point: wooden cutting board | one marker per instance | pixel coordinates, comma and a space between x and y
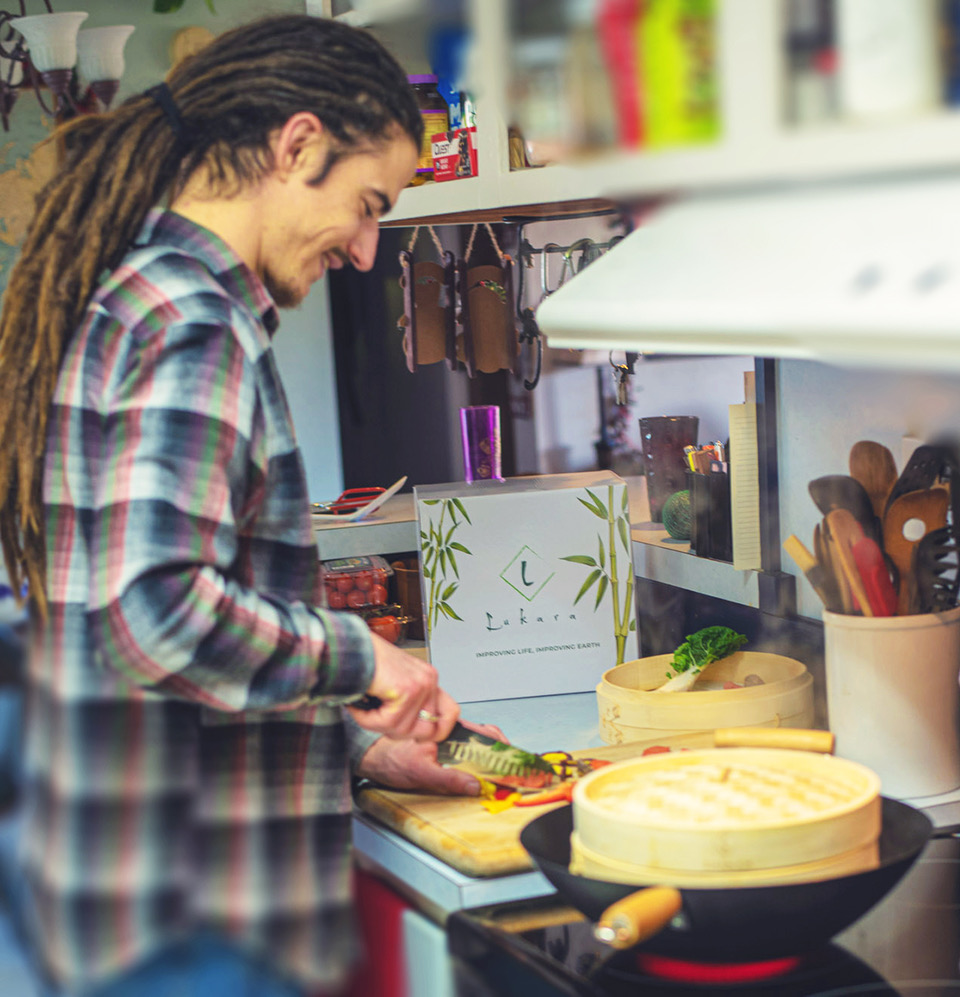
459, 831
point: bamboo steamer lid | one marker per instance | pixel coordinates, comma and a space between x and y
727, 810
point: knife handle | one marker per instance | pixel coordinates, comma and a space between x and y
795, 738
366, 702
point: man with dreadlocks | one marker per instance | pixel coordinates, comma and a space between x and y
190, 732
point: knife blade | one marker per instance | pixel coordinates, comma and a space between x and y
483, 755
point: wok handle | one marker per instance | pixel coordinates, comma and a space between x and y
798, 738
638, 916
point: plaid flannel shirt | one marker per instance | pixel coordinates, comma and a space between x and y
188, 759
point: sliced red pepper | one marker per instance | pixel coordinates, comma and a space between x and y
559, 793
656, 749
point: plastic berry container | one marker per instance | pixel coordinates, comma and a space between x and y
357, 584
388, 621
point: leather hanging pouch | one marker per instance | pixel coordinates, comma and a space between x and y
428, 322
488, 336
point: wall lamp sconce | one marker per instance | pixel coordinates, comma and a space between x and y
51, 49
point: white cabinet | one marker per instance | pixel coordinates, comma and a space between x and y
756, 145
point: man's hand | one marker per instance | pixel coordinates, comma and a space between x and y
413, 764
413, 704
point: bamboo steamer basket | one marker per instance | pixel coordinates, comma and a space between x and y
726, 817
584, 862
630, 709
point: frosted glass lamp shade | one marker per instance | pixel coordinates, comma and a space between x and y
100, 52
11, 72
51, 39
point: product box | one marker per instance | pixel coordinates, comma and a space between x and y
455, 154
527, 583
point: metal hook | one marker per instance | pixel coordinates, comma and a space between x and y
585, 247
544, 256
530, 333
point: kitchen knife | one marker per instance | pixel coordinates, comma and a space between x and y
483, 755
486, 756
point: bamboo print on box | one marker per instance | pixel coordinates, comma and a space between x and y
609, 573
439, 552
523, 594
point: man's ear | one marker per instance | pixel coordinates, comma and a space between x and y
299, 144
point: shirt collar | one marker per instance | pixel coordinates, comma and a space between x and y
167, 228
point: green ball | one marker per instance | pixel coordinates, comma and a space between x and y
676, 515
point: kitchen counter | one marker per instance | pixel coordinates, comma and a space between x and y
910, 934
540, 723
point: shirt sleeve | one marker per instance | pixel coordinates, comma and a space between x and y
182, 463
358, 740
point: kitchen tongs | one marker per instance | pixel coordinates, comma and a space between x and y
935, 578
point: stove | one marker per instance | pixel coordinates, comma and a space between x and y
908, 945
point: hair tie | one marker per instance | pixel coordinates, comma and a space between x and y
162, 95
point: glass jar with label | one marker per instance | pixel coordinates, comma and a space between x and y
433, 110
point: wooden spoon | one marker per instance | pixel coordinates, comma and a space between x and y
872, 464
840, 491
929, 506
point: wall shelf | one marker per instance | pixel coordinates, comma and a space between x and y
393, 529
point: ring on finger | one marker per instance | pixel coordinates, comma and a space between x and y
427, 717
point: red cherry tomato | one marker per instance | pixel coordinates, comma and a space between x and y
377, 595
356, 599
335, 599
344, 583
363, 580
388, 627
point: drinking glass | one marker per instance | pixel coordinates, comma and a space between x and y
480, 433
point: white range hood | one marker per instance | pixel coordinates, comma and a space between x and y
865, 274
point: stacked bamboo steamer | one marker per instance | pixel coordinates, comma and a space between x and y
722, 817
631, 709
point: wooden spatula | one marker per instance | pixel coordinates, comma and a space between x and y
872, 464
844, 532
818, 576
822, 549
929, 507
872, 569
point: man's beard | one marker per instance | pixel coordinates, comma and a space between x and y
284, 295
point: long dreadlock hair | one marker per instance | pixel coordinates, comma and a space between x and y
230, 96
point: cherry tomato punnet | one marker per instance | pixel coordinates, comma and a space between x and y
387, 627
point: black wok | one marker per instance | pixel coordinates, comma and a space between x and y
744, 923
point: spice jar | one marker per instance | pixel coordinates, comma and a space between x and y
433, 110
